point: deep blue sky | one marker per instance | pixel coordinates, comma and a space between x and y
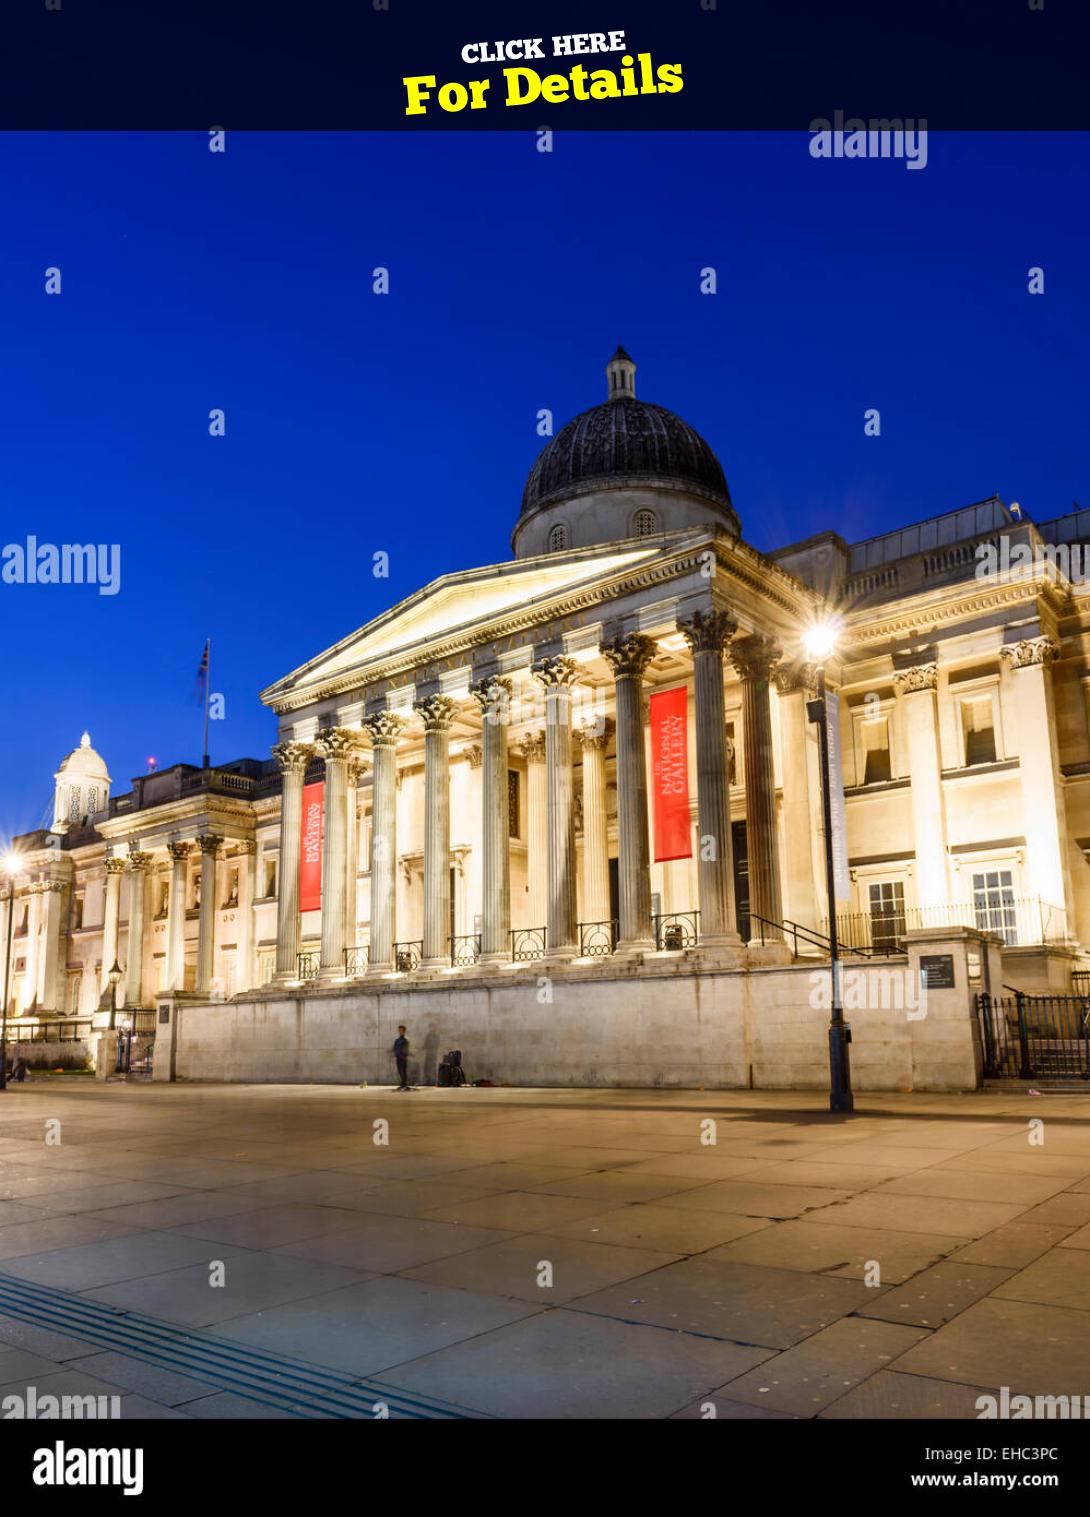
407, 422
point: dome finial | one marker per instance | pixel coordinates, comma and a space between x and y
85, 740
621, 373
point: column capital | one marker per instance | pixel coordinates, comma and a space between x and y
532, 746
792, 677
475, 755
1030, 651
139, 861
437, 712
493, 695
337, 743
629, 655
919, 677
246, 845
384, 728
707, 631
595, 735
555, 673
292, 757
209, 842
754, 656
178, 851
114, 865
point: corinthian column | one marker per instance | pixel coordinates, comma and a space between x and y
384, 730
802, 804
594, 743
537, 830
494, 696
111, 916
917, 690
707, 634
293, 758
558, 675
628, 657
1044, 808
336, 746
206, 924
754, 657
179, 853
245, 973
437, 712
138, 878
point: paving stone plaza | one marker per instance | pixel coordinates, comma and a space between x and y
252, 1251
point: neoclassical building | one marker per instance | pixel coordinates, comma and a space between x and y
597, 753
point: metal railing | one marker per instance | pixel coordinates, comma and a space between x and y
597, 940
307, 965
1035, 1037
1020, 921
795, 933
407, 956
527, 943
34, 1030
675, 930
355, 963
1080, 982
465, 950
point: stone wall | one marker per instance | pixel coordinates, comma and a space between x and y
665, 1022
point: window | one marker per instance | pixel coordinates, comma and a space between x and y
887, 913
644, 524
978, 725
77, 913
994, 904
270, 877
875, 739
513, 809
732, 755
74, 982
558, 538
92, 801
73, 805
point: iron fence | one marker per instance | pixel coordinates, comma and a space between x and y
465, 950
527, 943
355, 963
1020, 921
34, 1030
1035, 1037
597, 940
307, 965
675, 930
407, 956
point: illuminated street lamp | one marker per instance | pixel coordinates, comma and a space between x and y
819, 642
10, 866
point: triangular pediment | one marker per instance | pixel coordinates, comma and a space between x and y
455, 603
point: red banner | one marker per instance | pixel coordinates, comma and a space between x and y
670, 774
310, 853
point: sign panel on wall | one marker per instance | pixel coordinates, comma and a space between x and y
310, 854
670, 774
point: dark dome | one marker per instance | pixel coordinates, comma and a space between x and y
624, 441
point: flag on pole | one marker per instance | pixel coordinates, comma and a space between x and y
202, 673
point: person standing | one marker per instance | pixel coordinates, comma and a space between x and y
401, 1055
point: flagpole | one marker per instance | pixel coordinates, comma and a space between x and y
206, 762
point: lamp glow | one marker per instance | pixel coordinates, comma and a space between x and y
819, 641
10, 864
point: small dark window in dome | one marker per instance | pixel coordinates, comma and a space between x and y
558, 538
644, 524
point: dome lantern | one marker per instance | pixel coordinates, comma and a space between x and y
621, 373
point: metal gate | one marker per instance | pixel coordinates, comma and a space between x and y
136, 1042
1035, 1037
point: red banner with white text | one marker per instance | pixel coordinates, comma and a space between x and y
310, 853
670, 774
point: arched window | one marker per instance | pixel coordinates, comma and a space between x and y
92, 800
644, 524
558, 538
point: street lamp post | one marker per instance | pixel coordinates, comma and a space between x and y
11, 869
820, 642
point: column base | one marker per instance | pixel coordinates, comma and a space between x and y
503, 956
379, 970
627, 947
329, 975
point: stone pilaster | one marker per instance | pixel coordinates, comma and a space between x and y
594, 740
754, 657
708, 634
628, 657
293, 759
336, 745
532, 748
138, 882
917, 689
111, 916
175, 977
437, 713
352, 852
50, 988
209, 844
1047, 873
494, 698
384, 730
558, 675
245, 966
